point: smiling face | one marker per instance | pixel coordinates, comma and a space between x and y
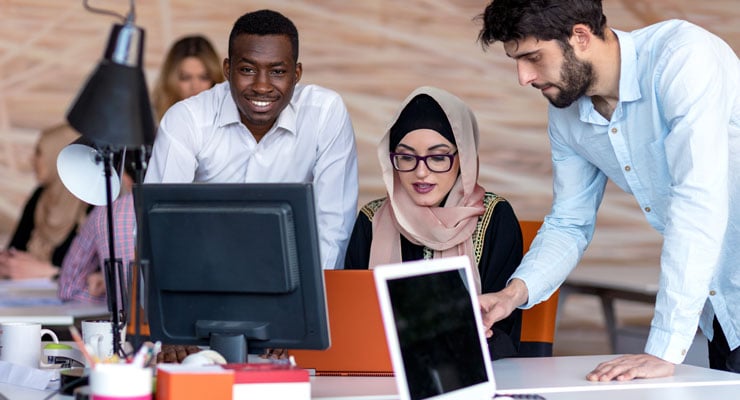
427, 188
553, 69
192, 77
262, 75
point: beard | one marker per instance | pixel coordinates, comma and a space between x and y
576, 78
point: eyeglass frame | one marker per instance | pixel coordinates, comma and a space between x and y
450, 156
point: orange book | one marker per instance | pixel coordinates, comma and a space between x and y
184, 382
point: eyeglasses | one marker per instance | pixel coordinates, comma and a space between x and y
403, 162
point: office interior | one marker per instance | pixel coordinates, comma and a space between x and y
373, 53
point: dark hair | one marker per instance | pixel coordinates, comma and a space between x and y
506, 20
265, 22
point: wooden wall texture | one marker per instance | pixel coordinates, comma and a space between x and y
373, 52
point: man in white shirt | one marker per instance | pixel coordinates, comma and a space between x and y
657, 111
262, 126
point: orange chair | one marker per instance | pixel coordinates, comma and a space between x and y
538, 322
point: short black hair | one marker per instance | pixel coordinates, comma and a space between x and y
265, 22
506, 20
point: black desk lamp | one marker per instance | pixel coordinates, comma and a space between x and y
113, 112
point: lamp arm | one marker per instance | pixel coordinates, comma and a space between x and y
96, 10
113, 266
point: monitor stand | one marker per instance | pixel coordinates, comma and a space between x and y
232, 346
229, 338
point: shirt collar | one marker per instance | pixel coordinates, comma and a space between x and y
230, 113
629, 85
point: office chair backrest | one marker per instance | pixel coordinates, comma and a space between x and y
538, 322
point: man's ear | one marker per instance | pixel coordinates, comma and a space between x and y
227, 68
298, 72
581, 37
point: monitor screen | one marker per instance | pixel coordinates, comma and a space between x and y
232, 266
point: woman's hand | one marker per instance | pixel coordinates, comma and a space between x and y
16, 264
96, 284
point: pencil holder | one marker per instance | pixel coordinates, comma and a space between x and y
120, 382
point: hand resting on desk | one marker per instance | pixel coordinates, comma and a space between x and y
96, 283
631, 366
16, 264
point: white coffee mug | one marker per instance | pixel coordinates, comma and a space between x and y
20, 343
98, 336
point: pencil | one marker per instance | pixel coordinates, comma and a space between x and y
78, 339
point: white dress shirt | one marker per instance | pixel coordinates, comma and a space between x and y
202, 139
674, 143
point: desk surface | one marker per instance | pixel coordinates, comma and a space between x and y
36, 301
567, 374
556, 378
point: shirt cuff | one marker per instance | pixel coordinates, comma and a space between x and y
536, 291
671, 347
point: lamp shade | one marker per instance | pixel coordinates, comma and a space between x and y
82, 172
113, 107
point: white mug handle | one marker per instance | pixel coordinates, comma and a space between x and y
96, 341
50, 333
54, 337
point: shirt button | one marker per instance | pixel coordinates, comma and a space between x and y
615, 130
712, 292
627, 168
648, 209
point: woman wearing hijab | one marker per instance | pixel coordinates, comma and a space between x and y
435, 206
50, 218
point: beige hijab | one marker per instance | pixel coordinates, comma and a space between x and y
57, 210
447, 230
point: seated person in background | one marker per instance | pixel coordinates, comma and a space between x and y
50, 218
191, 66
434, 205
82, 277
261, 126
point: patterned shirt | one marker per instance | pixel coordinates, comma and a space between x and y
90, 248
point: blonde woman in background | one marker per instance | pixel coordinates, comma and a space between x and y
192, 66
50, 217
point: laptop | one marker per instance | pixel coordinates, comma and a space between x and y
433, 326
358, 344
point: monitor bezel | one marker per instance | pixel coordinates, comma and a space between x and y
311, 280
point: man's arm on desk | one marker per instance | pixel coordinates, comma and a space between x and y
498, 305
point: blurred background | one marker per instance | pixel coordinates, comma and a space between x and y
373, 52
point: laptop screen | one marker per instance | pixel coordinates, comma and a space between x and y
438, 340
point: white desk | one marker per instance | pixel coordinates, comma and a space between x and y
556, 378
36, 301
568, 374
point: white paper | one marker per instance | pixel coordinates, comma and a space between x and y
25, 376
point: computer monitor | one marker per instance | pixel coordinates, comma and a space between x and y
232, 266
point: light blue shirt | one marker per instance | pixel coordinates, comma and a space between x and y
674, 143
